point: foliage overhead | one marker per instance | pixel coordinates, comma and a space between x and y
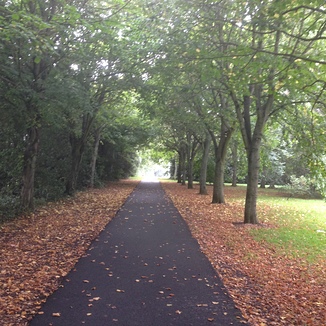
125, 75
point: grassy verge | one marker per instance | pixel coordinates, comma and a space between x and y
300, 226
276, 271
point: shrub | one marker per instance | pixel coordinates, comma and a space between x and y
303, 187
9, 207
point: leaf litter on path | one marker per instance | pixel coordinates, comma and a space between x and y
268, 288
38, 250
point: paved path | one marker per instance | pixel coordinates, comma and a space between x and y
144, 269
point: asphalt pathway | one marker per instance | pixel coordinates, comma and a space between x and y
144, 269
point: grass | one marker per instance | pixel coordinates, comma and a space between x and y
300, 225
136, 177
274, 271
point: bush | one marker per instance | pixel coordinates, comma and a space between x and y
9, 207
303, 187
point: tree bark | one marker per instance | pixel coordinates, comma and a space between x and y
235, 164
190, 174
39, 71
94, 156
220, 157
263, 174
77, 151
252, 144
179, 173
253, 174
29, 167
183, 169
176, 169
203, 166
192, 148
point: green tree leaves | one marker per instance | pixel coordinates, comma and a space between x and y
82, 67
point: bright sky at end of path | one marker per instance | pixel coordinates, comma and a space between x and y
150, 178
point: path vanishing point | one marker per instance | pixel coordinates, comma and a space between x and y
144, 269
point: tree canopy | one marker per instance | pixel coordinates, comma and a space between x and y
85, 85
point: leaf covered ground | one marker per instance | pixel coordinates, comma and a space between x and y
38, 250
269, 288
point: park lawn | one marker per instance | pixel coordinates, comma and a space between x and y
275, 271
301, 227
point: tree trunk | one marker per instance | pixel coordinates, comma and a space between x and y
252, 182
189, 159
179, 176
183, 165
192, 149
176, 169
263, 177
218, 185
77, 150
29, 166
94, 156
235, 164
190, 174
172, 170
252, 143
220, 157
203, 166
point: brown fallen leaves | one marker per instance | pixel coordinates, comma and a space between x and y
267, 288
36, 251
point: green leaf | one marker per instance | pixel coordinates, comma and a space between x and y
15, 16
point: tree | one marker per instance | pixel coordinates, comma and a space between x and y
196, 68
256, 48
37, 37
26, 60
250, 48
47, 45
204, 164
